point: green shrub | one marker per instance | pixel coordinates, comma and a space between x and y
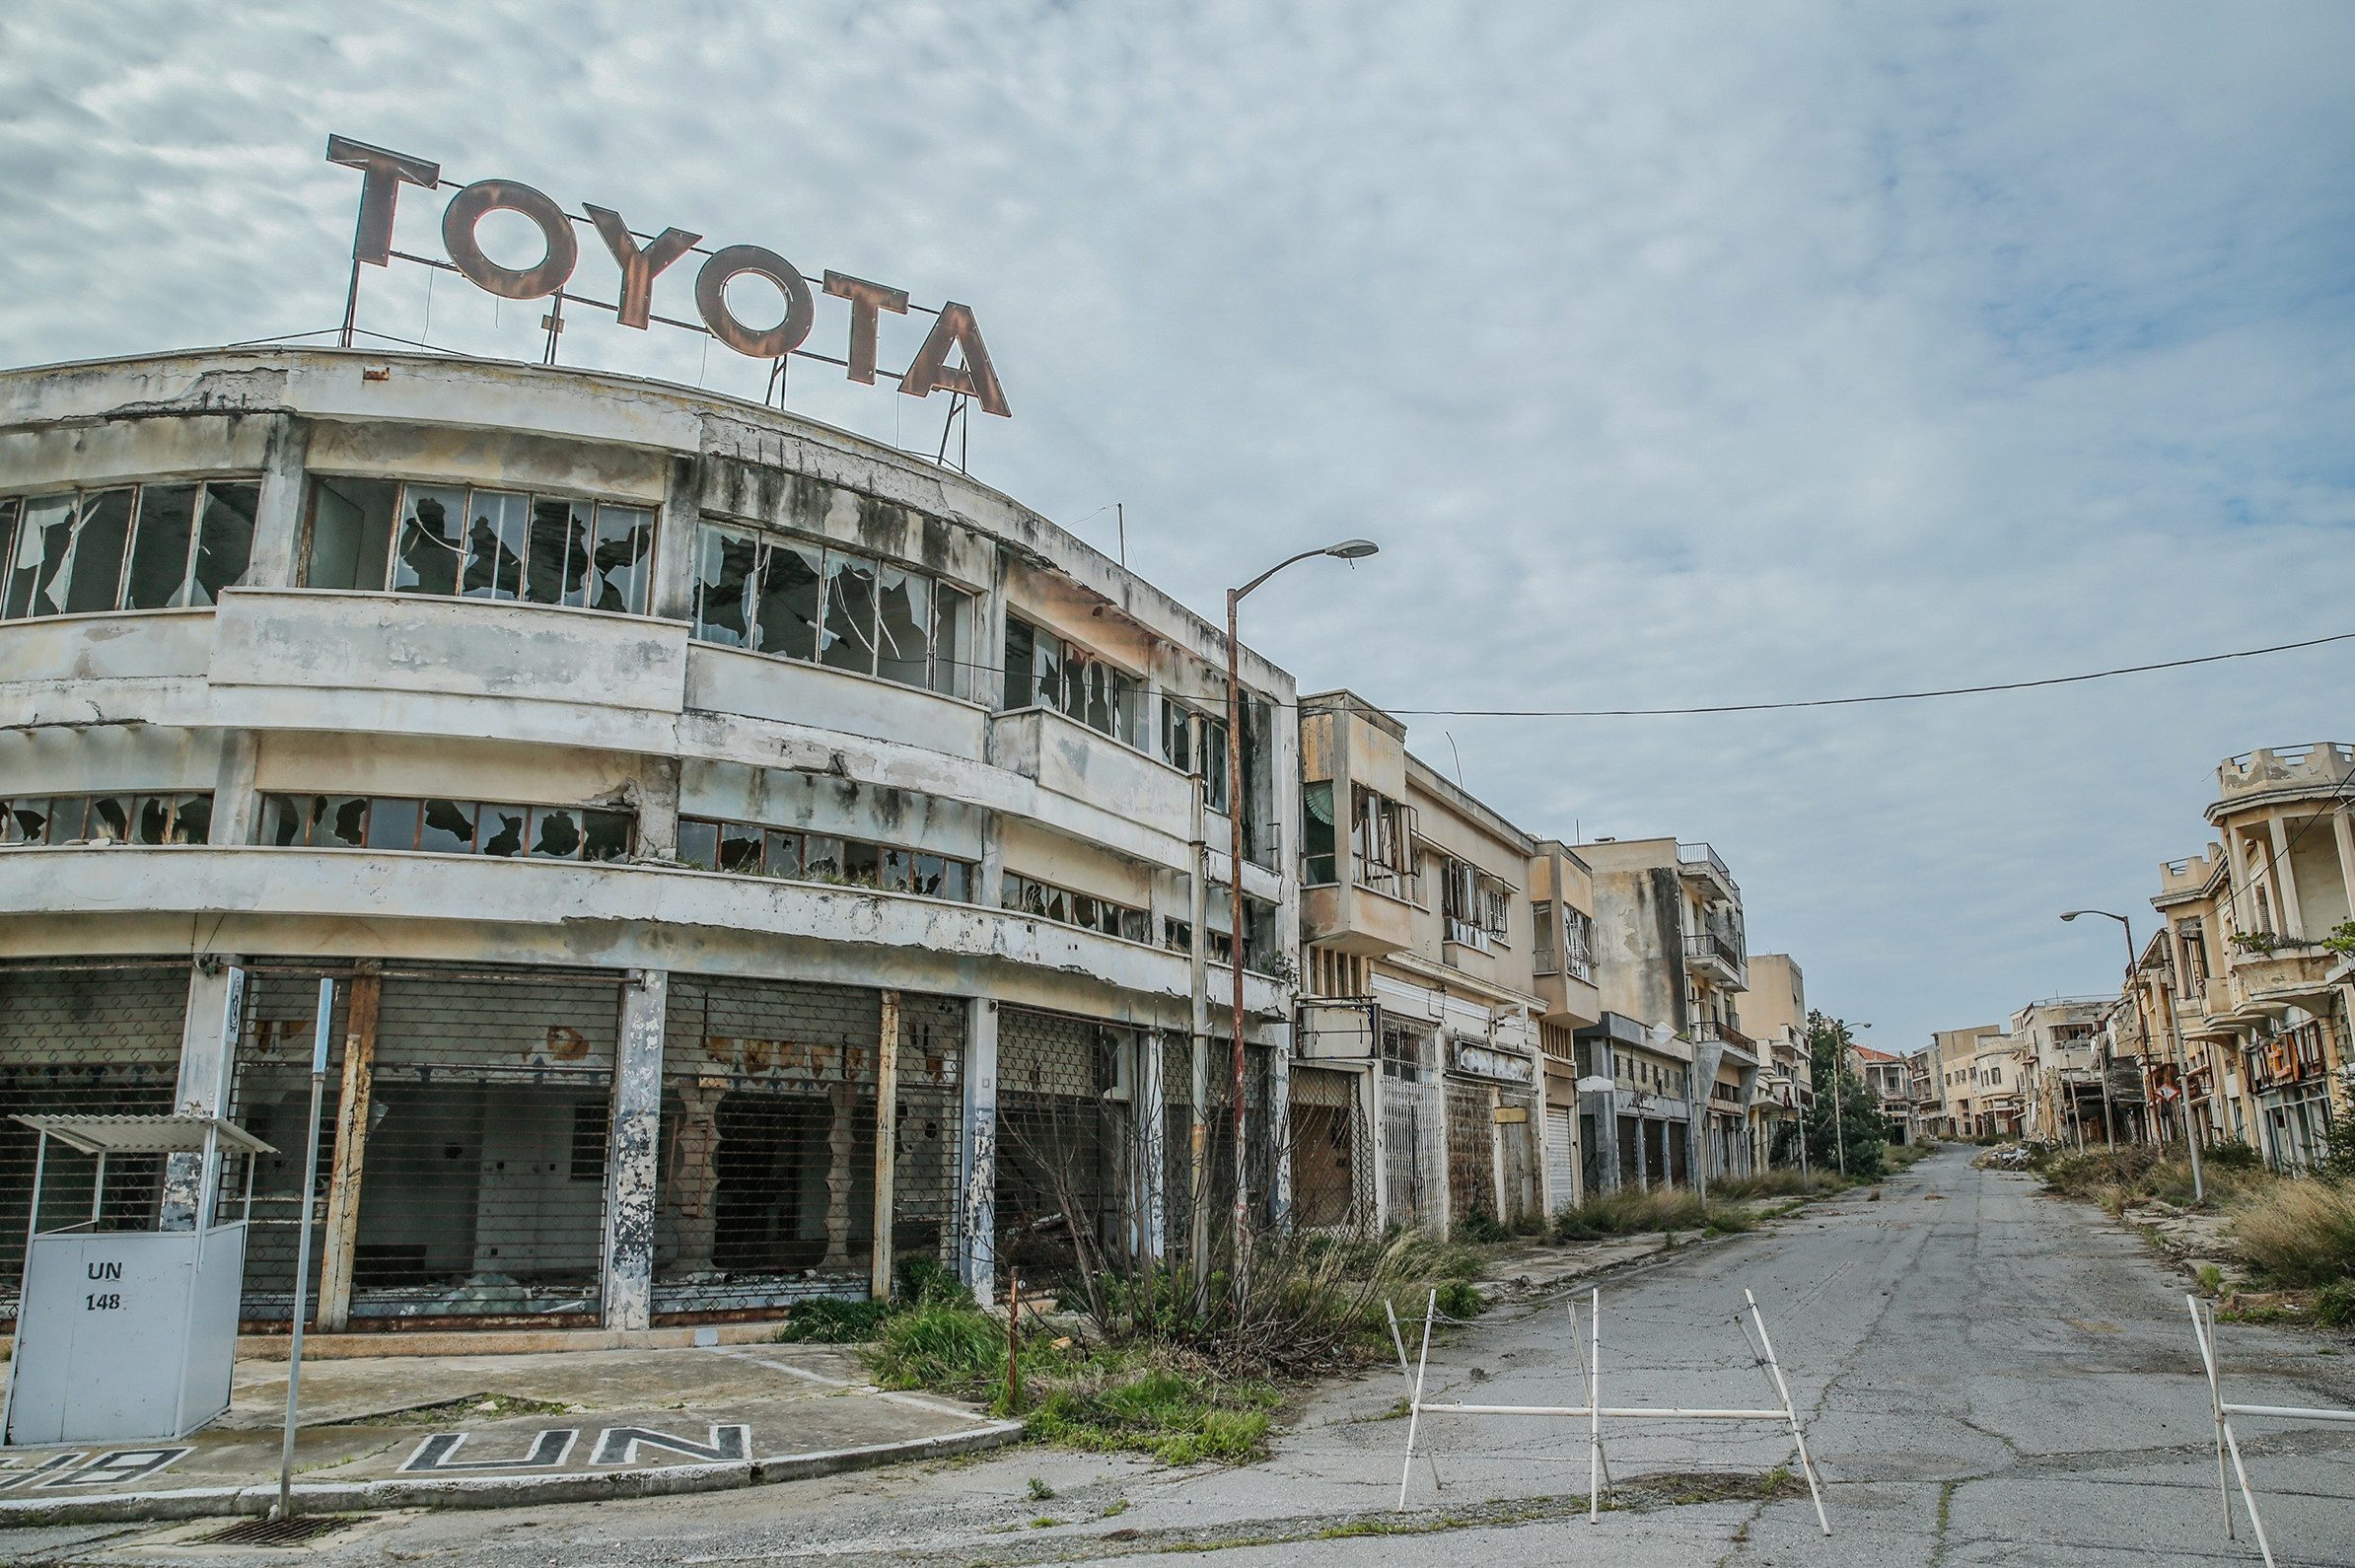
2299, 1233
1175, 1418
1631, 1212
2335, 1304
2233, 1156
1459, 1298
1480, 1229
939, 1345
829, 1322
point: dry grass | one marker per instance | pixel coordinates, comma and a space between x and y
2299, 1233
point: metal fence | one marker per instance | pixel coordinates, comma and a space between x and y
1471, 1168
1069, 1177
269, 1097
768, 1142
100, 1040
1330, 1152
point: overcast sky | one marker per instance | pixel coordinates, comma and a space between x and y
1675, 354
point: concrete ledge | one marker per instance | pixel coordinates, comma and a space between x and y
495, 1491
490, 1341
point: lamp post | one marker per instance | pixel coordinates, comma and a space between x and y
2200, 1184
1346, 550
2109, 1126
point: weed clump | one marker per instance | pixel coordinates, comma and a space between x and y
2299, 1233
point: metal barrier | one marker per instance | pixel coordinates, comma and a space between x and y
1594, 1411
2228, 1442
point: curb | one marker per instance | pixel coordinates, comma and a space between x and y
496, 1491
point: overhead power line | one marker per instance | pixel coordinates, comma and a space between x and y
1841, 703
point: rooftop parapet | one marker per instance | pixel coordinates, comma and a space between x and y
2188, 877
2318, 767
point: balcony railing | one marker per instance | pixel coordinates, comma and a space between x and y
1698, 855
1464, 933
1715, 945
1709, 1030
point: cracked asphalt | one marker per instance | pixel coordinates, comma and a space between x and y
1988, 1376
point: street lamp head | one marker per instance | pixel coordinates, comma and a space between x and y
2072, 915
1353, 550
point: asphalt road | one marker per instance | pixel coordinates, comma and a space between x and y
1988, 1376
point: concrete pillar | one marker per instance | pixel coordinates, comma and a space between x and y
1368, 1093
658, 809
235, 812
634, 1162
887, 1141
275, 560
2343, 828
1152, 1150
673, 594
977, 1154
1278, 1133
2285, 880
208, 1038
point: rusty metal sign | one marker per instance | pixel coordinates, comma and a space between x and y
638, 260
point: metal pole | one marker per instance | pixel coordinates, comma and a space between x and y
302, 1284
1235, 943
1013, 1342
1414, 1409
1839, 1111
2224, 1487
1798, 1433
1198, 912
1594, 1407
2232, 1444
1585, 1377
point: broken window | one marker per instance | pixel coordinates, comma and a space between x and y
751, 850
102, 538
223, 539
1073, 681
443, 826
1578, 944
478, 543
805, 599
1045, 901
160, 552
167, 819
1177, 748
1317, 855
1541, 949
1382, 854
1475, 904
131, 546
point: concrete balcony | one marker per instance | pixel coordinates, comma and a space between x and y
1348, 917
1569, 999
1718, 956
2288, 977
1699, 863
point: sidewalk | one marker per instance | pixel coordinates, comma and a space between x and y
484, 1431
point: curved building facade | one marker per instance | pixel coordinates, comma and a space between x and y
751, 861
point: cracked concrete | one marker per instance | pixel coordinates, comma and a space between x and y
1990, 1377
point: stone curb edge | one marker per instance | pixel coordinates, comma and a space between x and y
496, 1491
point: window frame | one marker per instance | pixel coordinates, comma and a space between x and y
269, 801
639, 575
17, 505
1071, 681
909, 858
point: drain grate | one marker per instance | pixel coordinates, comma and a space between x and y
294, 1531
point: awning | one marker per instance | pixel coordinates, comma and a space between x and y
145, 1134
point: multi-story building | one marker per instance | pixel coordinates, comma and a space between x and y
2260, 997
1670, 965
1884, 1078
750, 857
1953, 1109
1774, 1012
1422, 921
2059, 1046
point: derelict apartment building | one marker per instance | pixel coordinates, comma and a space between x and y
752, 860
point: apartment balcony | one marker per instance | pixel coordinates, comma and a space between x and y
2294, 973
1699, 863
1356, 908
1709, 1031
1570, 998
1715, 954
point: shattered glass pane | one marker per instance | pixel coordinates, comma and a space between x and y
447, 827
44, 540
903, 626
160, 549
893, 875
849, 639
740, 848
192, 821
605, 835
25, 822
624, 552
788, 599
501, 829
926, 875
151, 819
821, 858
223, 539
861, 863
498, 523
433, 528
950, 608
784, 853
556, 569
341, 822
282, 821
101, 537
110, 819
723, 585
555, 833
956, 881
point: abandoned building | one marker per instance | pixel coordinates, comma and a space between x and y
752, 861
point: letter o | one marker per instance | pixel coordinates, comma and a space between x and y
469, 208
711, 297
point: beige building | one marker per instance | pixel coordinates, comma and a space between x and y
2259, 1000
1422, 912
1774, 1012
1952, 1108
1670, 966
2060, 1045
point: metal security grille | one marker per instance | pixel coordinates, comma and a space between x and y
483, 1178
83, 1041
1331, 1157
1472, 1170
269, 1097
1411, 1158
1517, 1141
1067, 1152
768, 1139
926, 1199
1179, 1198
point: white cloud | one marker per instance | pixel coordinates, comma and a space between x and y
1675, 354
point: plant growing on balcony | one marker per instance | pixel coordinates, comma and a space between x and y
2267, 943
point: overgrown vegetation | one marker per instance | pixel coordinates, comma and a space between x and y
2299, 1233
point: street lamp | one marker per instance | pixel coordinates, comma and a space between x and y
2109, 1128
2200, 1186
1346, 550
